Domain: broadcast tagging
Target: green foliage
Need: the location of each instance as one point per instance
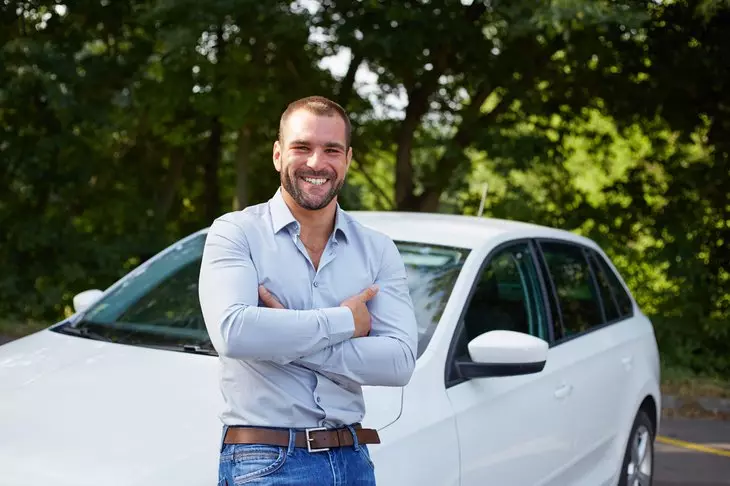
(128, 124)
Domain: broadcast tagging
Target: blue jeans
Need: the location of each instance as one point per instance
(292, 466)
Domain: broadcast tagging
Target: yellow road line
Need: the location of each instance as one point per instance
(693, 446)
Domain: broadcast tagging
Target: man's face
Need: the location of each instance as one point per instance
(312, 158)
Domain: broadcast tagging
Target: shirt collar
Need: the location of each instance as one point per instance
(281, 216)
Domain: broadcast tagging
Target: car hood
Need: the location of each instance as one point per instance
(79, 412)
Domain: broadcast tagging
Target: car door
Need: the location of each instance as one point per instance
(511, 430)
(589, 351)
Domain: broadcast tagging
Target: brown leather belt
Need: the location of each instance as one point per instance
(315, 440)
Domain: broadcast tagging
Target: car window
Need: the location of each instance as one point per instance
(578, 298)
(158, 304)
(507, 296)
(623, 301)
(432, 272)
(610, 306)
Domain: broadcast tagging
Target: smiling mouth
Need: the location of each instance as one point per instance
(317, 181)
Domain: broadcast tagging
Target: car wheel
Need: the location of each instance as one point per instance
(638, 465)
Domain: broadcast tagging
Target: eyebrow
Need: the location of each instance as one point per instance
(328, 144)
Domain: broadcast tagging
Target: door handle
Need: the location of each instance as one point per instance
(563, 391)
(627, 362)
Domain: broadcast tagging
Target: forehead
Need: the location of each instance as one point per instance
(305, 125)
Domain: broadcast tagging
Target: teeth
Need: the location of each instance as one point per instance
(317, 182)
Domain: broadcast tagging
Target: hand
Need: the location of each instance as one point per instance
(356, 304)
(360, 312)
(268, 298)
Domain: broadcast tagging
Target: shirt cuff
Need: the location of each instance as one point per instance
(340, 322)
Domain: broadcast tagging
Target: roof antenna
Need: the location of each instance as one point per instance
(484, 197)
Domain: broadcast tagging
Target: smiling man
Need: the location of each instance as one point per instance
(304, 306)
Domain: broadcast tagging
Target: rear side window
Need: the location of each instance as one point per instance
(610, 305)
(606, 276)
(573, 284)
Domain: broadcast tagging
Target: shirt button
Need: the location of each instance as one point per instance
(319, 399)
(316, 284)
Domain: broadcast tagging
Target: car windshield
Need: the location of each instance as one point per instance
(157, 305)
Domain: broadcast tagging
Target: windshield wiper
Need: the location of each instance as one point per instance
(83, 332)
(195, 349)
(187, 348)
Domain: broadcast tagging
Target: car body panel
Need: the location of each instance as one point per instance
(78, 412)
(89, 408)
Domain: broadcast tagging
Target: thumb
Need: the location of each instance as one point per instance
(369, 293)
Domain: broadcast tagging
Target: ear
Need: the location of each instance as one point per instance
(349, 156)
(277, 156)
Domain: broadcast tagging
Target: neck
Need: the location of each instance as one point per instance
(317, 223)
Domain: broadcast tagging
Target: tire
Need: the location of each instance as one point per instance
(637, 468)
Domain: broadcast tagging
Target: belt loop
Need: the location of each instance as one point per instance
(355, 442)
(292, 442)
(222, 444)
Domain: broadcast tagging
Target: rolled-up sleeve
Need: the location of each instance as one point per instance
(238, 327)
(387, 356)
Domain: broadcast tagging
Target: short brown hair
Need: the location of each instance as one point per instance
(321, 106)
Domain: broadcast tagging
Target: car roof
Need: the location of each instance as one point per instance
(456, 230)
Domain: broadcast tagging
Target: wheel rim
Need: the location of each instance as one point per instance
(639, 469)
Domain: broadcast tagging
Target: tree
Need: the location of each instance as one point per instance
(461, 67)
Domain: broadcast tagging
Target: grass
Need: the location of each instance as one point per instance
(688, 386)
(685, 383)
(16, 329)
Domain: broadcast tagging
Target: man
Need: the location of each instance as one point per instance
(304, 306)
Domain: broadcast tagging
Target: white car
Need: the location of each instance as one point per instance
(535, 367)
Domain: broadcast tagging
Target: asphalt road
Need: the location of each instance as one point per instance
(680, 465)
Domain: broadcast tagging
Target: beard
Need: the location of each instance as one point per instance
(307, 201)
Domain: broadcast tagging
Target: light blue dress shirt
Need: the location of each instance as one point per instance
(300, 366)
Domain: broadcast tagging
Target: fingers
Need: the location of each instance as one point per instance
(369, 293)
(268, 299)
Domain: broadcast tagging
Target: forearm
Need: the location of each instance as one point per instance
(238, 327)
(251, 332)
(387, 356)
(371, 360)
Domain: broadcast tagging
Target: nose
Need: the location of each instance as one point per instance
(316, 159)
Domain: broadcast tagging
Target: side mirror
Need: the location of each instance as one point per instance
(85, 299)
(503, 353)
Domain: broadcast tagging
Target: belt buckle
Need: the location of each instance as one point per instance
(311, 439)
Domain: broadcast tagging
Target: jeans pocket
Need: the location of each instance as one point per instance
(244, 462)
(365, 453)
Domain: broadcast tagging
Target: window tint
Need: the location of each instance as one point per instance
(573, 282)
(623, 300)
(432, 272)
(507, 296)
(610, 306)
(158, 304)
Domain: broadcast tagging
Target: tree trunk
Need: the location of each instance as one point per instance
(418, 98)
(347, 84)
(169, 187)
(211, 194)
(404, 183)
(453, 157)
(429, 201)
(243, 158)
